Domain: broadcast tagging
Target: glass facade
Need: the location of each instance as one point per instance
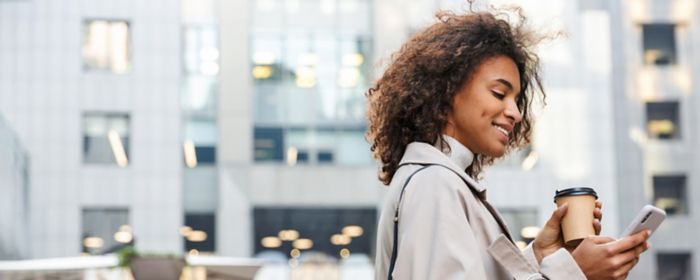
(105, 230)
(199, 93)
(674, 266)
(200, 232)
(310, 62)
(198, 103)
(322, 230)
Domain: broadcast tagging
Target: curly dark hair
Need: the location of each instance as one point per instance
(413, 98)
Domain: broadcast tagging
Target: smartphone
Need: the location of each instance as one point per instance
(649, 218)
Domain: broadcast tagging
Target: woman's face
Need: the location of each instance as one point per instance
(484, 111)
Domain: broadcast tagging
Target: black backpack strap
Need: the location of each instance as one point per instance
(395, 248)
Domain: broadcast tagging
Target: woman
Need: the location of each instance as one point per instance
(456, 97)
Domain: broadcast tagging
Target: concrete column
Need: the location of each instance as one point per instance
(233, 220)
(235, 84)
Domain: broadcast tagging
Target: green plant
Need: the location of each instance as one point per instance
(126, 255)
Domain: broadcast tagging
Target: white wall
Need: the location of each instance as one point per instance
(44, 93)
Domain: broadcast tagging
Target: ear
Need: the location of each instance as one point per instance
(449, 128)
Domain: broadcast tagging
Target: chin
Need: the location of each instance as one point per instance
(496, 152)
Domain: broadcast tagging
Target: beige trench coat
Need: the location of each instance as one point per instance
(445, 232)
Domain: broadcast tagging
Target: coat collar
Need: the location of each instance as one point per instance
(460, 155)
(423, 153)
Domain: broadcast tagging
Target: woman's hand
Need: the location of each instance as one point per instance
(550, 238)
(597, 217)
(606, 258)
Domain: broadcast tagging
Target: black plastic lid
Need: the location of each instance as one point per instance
(575, 191)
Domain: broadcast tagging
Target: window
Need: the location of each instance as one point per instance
(662, 120)
(105, 230)
(320, 145)
(198, 96)
(325, 157)
(201, 51)
(199, 93)
(302, 156)
(523, 224)
(310, 62)
(200, 142)
(200, 232)
(106, 45)
(329, 230)
(673, 266)
(106, 138)
(670, 194)
(206, 154)
(659, 42)
(309, 77)
(268, 144)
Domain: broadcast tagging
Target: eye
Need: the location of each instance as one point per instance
(498, 95)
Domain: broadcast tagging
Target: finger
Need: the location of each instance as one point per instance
(642, 248)
(637, 250)
(597, 226)
(598, 204)
(630, 242)
(598, 214)
(622, 272)
(554, 222)
(626, 257)
(600, 239)
(632, 254)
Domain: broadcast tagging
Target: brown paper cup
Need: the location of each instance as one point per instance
(578, 221)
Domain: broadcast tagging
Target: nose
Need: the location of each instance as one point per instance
(512, 112)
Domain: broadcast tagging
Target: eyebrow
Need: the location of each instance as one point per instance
(506, 83)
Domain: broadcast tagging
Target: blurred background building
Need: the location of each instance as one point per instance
(656, 120)
(14, 186)
(236, 128)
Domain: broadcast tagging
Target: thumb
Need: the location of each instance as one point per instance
(554, 222)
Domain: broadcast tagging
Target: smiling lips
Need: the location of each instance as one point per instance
(503, 130)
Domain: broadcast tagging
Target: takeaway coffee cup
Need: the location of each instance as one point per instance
(578, 221)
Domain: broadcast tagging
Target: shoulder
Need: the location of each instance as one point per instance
(437, 173)
(434, 180)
